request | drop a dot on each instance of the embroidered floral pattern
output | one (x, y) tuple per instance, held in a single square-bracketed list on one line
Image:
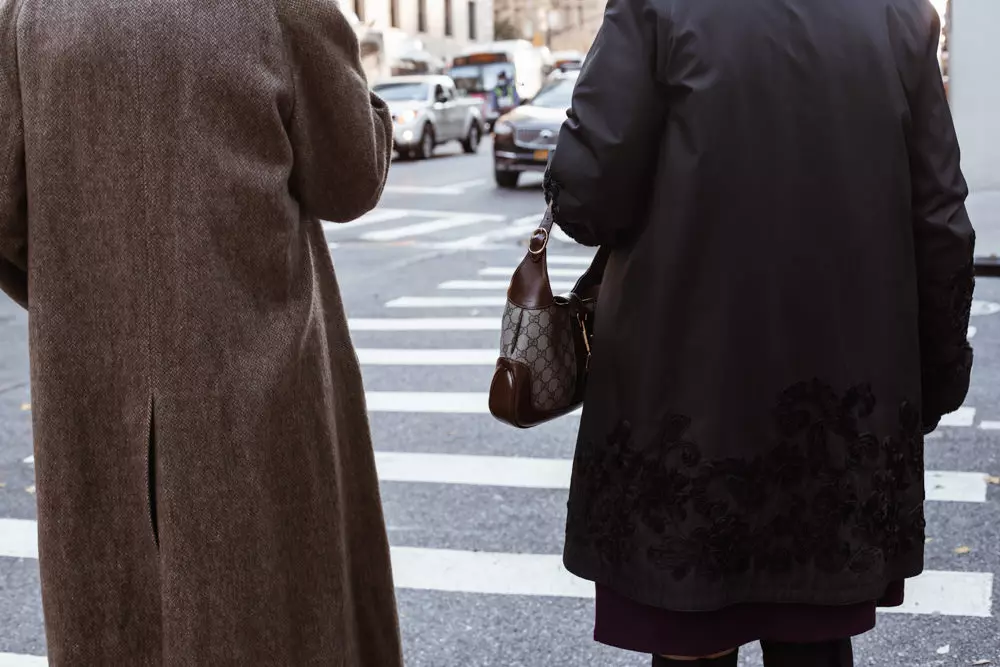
[(829, 494)]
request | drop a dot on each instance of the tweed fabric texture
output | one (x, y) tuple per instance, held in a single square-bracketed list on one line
[(206, 483)]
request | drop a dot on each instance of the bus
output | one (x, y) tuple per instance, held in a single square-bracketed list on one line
[(475, 71)]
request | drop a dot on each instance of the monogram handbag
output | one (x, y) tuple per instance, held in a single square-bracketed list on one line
[(545, 342)]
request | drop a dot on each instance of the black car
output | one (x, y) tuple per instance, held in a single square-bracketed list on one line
[(523, 138)]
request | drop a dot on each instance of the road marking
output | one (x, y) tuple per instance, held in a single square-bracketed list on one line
[(333, 246), (525, 473), (479, 240), (428, 402), (947, 594), (980, 308), (454, 189), (536, 473), (961, 417), (422, 190), (425, 324), (972, 332), (990, 426), (370, 218), (467, 185), (569, 259), (16, 660), (502, 271), (421, 228), (30, 460), (933, 592), (447, 302), (18, 538), (961, 487), (493, 285), (487, 573), (411, 357)]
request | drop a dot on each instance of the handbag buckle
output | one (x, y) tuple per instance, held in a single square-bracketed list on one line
[(541, 236)]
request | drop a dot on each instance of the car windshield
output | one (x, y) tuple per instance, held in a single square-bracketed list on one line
[(557, 95), (401, 92), (480, 78)]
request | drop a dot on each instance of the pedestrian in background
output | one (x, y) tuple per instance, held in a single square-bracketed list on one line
[(206, 485), (782, 318)]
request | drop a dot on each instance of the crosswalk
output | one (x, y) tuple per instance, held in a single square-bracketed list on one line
[(445, 230), (389, 344)]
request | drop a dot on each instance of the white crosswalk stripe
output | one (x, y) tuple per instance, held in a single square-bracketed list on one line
[(447, 302), (449, 570), (411, 357), (436, 228), (415, 341), (15, 660), (505, 272), (535, 473), (426, 324)]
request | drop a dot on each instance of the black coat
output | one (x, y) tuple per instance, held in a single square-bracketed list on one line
[(785, 309)]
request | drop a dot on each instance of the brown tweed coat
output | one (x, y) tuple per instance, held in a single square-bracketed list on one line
[(206, 484)]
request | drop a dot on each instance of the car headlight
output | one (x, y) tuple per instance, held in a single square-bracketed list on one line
[(503, 128), (408, 116)]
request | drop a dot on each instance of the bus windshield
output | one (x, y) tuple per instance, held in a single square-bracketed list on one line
[(480, 78)]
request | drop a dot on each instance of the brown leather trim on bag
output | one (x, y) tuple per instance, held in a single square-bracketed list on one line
[(529, 286), (510, 397)]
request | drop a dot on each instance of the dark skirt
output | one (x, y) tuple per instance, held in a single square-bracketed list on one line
[(626, 624)]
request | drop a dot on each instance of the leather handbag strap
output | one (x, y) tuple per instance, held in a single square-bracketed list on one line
[(594, 274)]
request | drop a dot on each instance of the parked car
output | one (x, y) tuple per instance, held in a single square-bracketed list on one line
[(523, 138), (427, 111)]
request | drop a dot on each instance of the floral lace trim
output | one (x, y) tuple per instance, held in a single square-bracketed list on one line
[(829, 494)]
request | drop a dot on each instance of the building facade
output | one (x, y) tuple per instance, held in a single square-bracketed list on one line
[(443, 26), (558, 24)]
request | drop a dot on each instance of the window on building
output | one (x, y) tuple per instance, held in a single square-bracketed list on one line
[(472, 20), (393, 13), (359, 9), (421, 15), (448, 30)]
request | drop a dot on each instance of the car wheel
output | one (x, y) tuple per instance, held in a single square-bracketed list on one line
[(427, 142), (471, 142), (506, 179)]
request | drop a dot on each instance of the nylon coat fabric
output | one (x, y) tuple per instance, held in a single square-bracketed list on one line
[(206, 483), (784, 312)]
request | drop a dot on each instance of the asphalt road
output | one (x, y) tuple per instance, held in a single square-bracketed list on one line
[(441, 245)]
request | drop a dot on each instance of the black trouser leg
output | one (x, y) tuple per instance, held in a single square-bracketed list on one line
[(728, 660), (836, 653)]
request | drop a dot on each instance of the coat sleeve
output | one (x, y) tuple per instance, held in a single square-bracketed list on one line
[(594, 182), (944, 240), (341, 133), (13, 188)]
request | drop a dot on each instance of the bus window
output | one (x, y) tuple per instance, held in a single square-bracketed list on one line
[(479, 78)]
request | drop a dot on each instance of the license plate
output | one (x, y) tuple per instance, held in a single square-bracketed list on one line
[(541, 156)]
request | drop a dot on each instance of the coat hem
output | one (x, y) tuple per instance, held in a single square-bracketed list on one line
[(643, 593)]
